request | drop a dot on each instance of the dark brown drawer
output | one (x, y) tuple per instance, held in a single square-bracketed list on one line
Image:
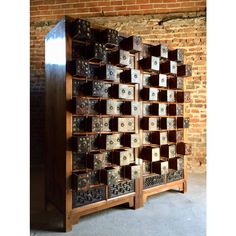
[(183, 97), (132, 171), (159, 109), (182, 122), (176, 163), (184, 148), (96, 52), (81, 30), (131, 140), (175, 109), (150, 94), (130, 76), (176, 55), (176, 83), (80, 180), (184, 70), (123, 157), (78, 161), (96, 161), (176, 136), (159, 80), (123, 91), (110, 175), (79, 68), (93, 107), (132, 44), (119, 58), (160, 167), (150, 123), (159, 137), (160, 50), (168, 151), (131, 108), (109, 37), (151, 154), (150, 64), (81, 144), (94, 88), (169, 67)]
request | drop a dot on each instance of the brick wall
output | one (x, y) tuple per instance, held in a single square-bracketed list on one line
[(181, 24)]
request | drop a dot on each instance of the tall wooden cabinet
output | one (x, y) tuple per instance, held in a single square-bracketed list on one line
[(115, 122)]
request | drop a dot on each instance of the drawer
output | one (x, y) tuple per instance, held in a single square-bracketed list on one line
[(146, 79), (159, 137), (160, 50), (131, 108), (150, 94), (123, 157), (78, 124), (146, 167), (119, 58), (160, 167), (130, 76), (78, 161), (132, 171), (183, 97), (176, 55), (94, 142), (94, 177), (168, 123), (79, 68), (151, 154), (176, 109), (94, 88), (89, 196), (150, 123), (131, 140), (184, 70), (150, 64), (110, 107), (110, 175), (132, 44), (107, 91), (80, 180), (94, 124), (80, 106), (146, 109), (81, 144), (146, 138), (106, 124), (159, 109), (109, 37), (96, 52), (96, 161), (184, 148), (153, 180), (176, 136), (123, 91), (168, 151), (110, 142), (121, 188), (169, 67), (182, 122), (123, 124), (167, 96), (81, 30), (159, 80), (174, 175), (108, 72), (93, 107), (176, 83), (176, 163)]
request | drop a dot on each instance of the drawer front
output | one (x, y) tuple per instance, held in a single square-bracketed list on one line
[(111, 73), (155, 63), (122, 158), (121, 188), (93, 107), (81, 29), (162, 109), (112, 141), (106, 124), (153, 180), (146, 138), (79, 68), (179, 110), (78, 160), (162, 80), (184, 148), (151, 154), (146, 109), (80, 181), (171, 123), (92, 195), (146, 167), (132, 108), (172, 151), (124, 58), (176, 163), (113, 176), (78, 124), (160, 167), (96, 161), (175, 175), (94, 124), (106, 93), (171, 96), (132, 171), (82, 106), (82, 144), (146, 79)]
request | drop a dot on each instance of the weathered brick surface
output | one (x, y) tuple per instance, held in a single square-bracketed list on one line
[(185, 30)]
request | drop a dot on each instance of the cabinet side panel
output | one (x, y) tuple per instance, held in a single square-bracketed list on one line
[(55, 70)]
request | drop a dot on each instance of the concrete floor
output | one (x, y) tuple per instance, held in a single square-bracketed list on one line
[(166, 214)]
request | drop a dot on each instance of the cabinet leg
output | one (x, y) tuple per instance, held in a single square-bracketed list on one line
[(183, 188), (131, 203), (68, 223)]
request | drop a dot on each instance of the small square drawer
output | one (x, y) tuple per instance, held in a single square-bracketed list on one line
[(183, 97), (94, 124), (123, 91), (106, 124), (131, 108), (159, 137), (176, 136), (96, 161), (176, 55), (184, 70), (110, 175), (107, 92), (169, 67), (119, 58), (176, 109), (176, 83), (132, 44), (168, 123), (110, 107), (96, 52), (123, 124), (151, 154), (168, 151), (93, 107), (146, 79), (132, 171), (160, 50), (159, 80), (123, 157), (146, 138), (94, 88), (109, 142), (80, 30), (131, 140), (107, 72), (150, 64), (78, 124), (146, 109), (150, 123), (109, 37), (184, 148), (176, 163), (80, 180), (146, 167), (79, 106), (79, 68), (81, 144), (182, 122), (130, 76), (150, 94), (160, 167), (159, 109)]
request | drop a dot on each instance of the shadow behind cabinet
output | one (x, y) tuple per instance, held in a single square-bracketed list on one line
[(84, 174)]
